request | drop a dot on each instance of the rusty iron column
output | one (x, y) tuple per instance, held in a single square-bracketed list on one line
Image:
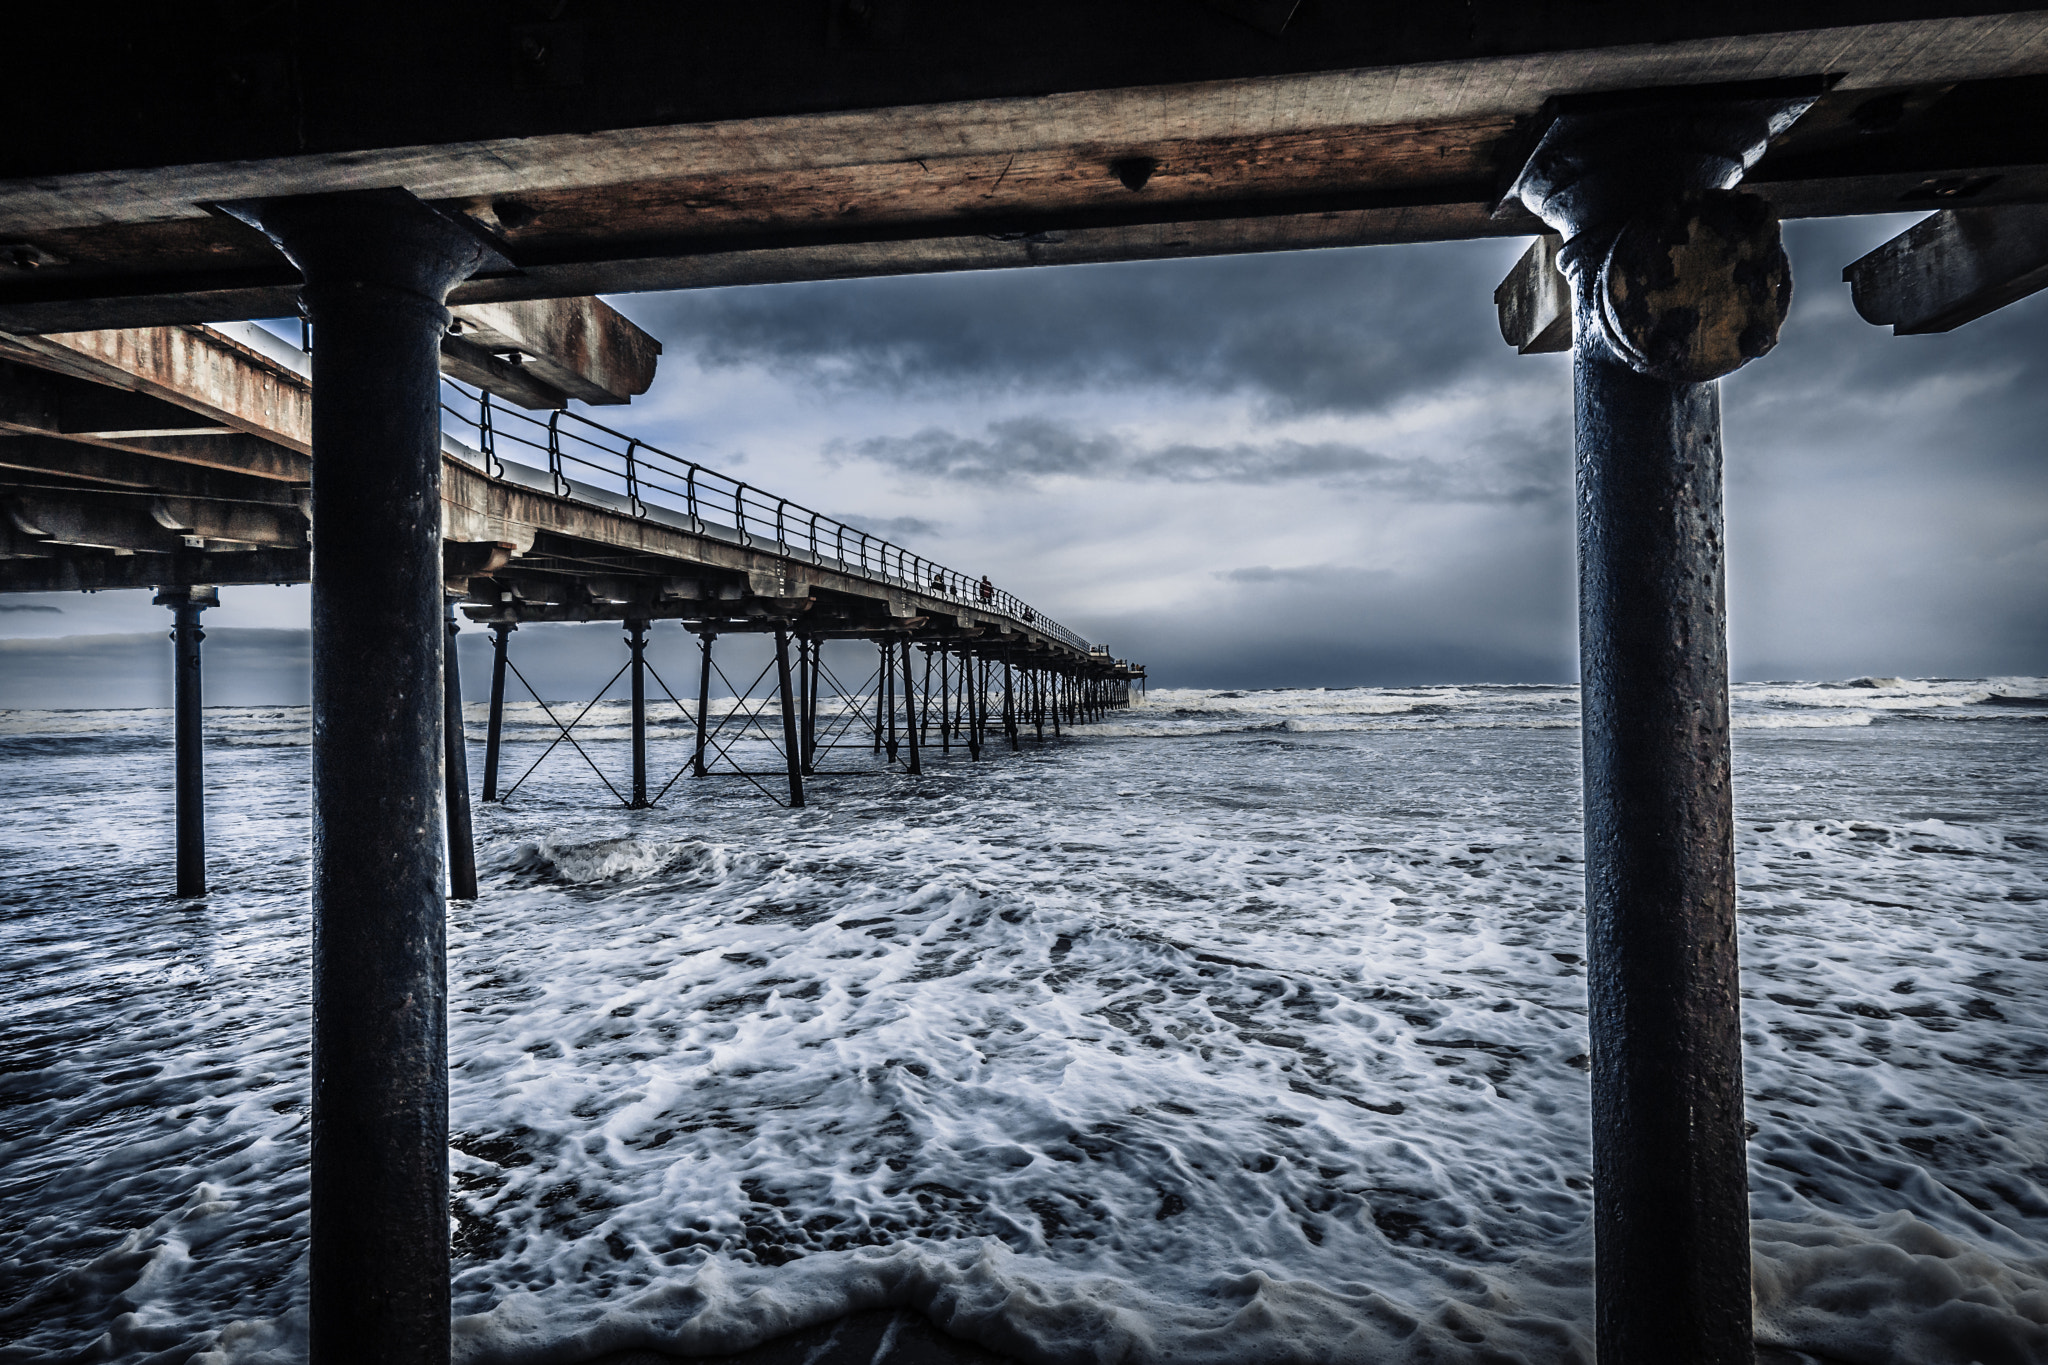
[(1678, 280), (881, 684), (636, 642), (1009, 704), (378, 265), (945, 711), (492, 735), (886, 686), (924, 704), (188, 731), (807, 666), (910, 712), (972, 700), (455, 771), (697, 768), (790, 744)]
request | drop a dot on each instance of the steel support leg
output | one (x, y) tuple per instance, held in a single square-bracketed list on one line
[(807, 660), (1656, 326), (886, 683), (636, 641), (970, 705), (910, 711), (377, 265), (499, 630), (455, 772), (881, 686), (1009, 705), (790, 742), (703, 704), (945, 702), (189, 731), (924, 701)]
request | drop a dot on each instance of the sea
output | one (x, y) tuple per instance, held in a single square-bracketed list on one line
[(1241, 1026)]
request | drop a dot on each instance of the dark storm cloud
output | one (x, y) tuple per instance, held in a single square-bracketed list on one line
[(1304, 332), (30, 606), (1025, 449)]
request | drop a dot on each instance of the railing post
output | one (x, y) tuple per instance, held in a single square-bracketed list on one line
[(557, 480)]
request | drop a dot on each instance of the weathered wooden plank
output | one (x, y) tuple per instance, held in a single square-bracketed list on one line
[(198, 369), (751, 103), (76, 571), (1535, 300), (119, 468), (581, 347), (1952, 268)]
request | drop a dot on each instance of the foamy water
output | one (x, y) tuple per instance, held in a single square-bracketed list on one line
[(1244, 1027)]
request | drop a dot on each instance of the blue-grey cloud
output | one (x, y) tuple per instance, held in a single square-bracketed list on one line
[(1305, 332), (1026, 449)]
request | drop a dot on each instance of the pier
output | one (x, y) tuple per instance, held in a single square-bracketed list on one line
[(385, 175)]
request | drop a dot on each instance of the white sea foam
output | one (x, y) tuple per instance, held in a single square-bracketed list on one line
[(1246, 1027)]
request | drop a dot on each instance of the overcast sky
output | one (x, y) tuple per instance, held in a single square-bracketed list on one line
[(1318, 468)]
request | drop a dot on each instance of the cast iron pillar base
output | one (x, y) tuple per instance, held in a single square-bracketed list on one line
[(377, 264), (1678, 280)]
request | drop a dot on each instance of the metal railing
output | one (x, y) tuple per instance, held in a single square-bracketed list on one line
[(648, 475)]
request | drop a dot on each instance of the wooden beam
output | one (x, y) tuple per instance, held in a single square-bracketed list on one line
[(86, 571), (582, 347), (113, 467), (450, 108), (125, 521), (1952, 268), (1535, 300), (756, 148), (198, 369)]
